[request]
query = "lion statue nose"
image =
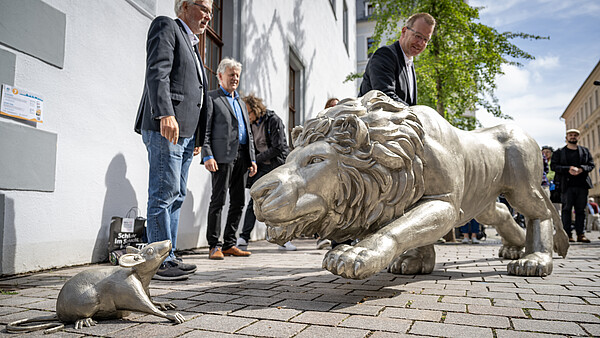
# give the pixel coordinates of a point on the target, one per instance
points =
(262, 191)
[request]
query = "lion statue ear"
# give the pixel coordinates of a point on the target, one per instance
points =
(295, 133)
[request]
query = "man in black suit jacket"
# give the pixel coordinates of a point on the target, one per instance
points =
(172, 118)
(228, 153)
(572, 164)
(391, 69)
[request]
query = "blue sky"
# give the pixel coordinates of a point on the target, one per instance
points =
(537, 94)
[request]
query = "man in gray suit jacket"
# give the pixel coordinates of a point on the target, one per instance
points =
(391, 69)
(228, 153)
(172, 120)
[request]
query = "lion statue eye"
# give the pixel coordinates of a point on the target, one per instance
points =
(315, 160)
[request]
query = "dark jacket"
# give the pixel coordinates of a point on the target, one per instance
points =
(276, 141)
(221, 139)
(387, 72)
(560, 166)
(174, 84)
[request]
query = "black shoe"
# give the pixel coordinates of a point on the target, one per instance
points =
(187, 268)
(169, 271)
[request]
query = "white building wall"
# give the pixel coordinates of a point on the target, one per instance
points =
(91, 105)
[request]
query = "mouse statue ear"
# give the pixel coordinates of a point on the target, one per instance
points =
(131, 260)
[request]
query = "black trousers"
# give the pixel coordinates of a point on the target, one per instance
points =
(232, 177)
(250, 218)
(574, 197)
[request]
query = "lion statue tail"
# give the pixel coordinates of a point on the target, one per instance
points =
(561, 240)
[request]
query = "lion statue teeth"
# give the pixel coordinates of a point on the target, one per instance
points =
(399, 178)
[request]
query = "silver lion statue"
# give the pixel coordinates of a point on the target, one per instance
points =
(398, 178)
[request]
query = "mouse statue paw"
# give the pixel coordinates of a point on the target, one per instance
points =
(164, 305)
(177, 318)
(80, 323)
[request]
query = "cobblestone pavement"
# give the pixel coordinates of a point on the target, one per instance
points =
(276, 293)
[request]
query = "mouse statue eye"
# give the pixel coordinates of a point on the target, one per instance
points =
(150, 251)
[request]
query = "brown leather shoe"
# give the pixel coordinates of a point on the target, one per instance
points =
(582, 238)
(215, 253)
(234, 251)
(571, 239)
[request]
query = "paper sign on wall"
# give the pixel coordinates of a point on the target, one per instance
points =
(22, 104)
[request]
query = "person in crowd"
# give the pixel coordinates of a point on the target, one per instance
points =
(592, 215)
(473, 228)
(271, 150)
(172, 119)
(571, 164)
(390, 69)
(331, 102)
(547, 152)
(228, 153)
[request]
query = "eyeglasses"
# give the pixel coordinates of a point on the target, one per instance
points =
(418, 35)
(204, 9)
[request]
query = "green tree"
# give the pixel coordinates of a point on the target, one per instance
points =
(458, 70)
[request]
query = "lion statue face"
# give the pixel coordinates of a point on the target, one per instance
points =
(354, 168)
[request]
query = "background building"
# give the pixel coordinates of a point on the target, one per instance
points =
(583, 113)
(62, 180)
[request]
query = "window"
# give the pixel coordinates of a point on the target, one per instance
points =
(596, 93)
(332, 3)
(212, 43)
(370, 43)
(369, 9)
(295, 93)
(345, 24)
(593, 143)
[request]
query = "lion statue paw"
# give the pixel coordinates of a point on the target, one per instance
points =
(353, 261)
(414, 261)
(510, 252)
(533, 264)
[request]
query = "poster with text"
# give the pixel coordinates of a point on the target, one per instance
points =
(22, 104)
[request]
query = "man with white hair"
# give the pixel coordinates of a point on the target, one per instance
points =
(172, 118)
(572, 163)
(228, 153)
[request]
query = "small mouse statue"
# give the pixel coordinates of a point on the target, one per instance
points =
(107, 293)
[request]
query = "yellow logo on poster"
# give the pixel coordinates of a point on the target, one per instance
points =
(15, 91)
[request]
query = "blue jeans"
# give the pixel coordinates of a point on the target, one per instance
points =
(167, 185)
(471, 227)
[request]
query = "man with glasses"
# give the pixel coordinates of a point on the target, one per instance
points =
(172, 120)
(391, 68)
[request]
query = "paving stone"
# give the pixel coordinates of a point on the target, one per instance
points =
(522, 334)
(376, 323)
(210, 334)
(216, 308)
(552, 299)
(571, 308)
(495, 310)
(9, 318)
(331, 332)
(5, 310)
(592, 329)
(214, 297)
(269, 328)
(449, 330)
(548, 326)
(427, 305)
(564, 316)
(523, 304)
(247, 300)
(228, 324)
(260, 312)
(320, 318)
(358, 309)
(14, 300)
(305, 305)
(477, 320)
(466, 300)
(151, 330)
(413, 314)
(380, 334)
(103, 327)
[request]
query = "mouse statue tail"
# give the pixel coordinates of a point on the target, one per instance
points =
(20, 327)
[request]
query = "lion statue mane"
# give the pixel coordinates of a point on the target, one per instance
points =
(398, 178)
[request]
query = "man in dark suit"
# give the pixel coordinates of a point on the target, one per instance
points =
(172, 120)
(571, 164)
(228, 153)
(390, 68)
